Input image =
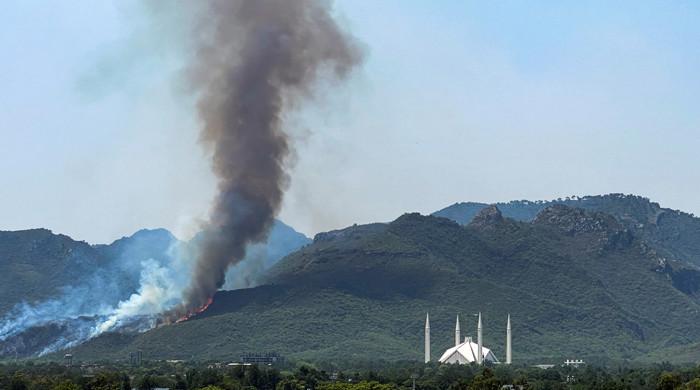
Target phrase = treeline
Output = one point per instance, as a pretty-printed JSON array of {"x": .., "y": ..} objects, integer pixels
[{"x": 398, "y": 376}]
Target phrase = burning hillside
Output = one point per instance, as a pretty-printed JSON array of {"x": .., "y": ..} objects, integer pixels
[
  {"x": 255, "y": 61},
  {"x": 252, "y": 62}
]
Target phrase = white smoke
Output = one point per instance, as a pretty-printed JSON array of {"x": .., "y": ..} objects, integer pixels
[
  {"x": 24, "y": 315},
  {"x": 128, "y": 293},
  {"x": 86, "y": 311},
  {"x": 159, "y": 291}
]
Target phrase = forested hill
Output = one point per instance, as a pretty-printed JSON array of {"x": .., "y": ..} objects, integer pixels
[
  {"x": 51, "y": 285},
  {"x": 576, "y": 283},
  {"x": 672, "y": 233},
  {"x": 36, "y": 264}
]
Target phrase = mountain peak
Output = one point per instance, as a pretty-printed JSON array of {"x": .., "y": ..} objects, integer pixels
[
  {"x": 574, "y": 220},
  {"x": 160, "y": 233},
  {"x": 488, "y": 216},
  {"x": 145, "y": 238}
]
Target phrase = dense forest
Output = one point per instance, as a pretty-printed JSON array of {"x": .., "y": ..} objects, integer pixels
[
  {"x": 569, "y": 272},
  {"x": 187, "y": 376},
  {"x": 576, "y": 283}
]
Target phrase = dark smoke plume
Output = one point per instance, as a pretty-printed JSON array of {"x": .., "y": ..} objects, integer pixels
[{"x": 253, "y": 60}]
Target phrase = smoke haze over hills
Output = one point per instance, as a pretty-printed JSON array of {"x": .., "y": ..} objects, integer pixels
[
  {"x": 214, "y": 118},
  {"x": 57, "y": 292}
]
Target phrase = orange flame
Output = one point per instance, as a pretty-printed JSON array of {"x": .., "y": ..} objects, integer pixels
[{"x": 195, "y": 311}]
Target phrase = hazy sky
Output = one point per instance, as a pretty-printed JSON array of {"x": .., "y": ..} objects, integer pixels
[{"x": 457, "y": 101}]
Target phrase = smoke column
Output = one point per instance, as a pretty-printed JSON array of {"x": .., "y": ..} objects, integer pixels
[{"x": 253, "y": 61}]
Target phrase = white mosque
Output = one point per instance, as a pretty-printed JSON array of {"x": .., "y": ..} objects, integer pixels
[{"x": 467, "y": 351}]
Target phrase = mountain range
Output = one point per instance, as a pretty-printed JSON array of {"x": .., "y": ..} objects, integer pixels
[
  {"x": 612, "y": 276},
  {"x": 672, "y": 233},
  {"x": 605, "y": 280},
  {"x": 50, "y": 283}
]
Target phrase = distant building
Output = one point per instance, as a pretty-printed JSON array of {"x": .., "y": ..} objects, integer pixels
[
  {"x": 574, "y": 362},
  {"x": 544, "y": 366},
  {"x": 262, "y": 358},
  {"x": 135, "y": 358},
  {"x": 427, "y": 338},
  {"x": 68, "y": 359},
  {"x": 466, "y": 353}
]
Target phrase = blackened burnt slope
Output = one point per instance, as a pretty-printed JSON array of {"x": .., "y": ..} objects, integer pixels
[{"x": 575, "y": 283}]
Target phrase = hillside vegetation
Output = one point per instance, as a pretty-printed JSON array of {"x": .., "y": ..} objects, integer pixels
[
  {"x": 51, "y": 286},
  {"x": 577, "y": 284},
  {"x": 35, "y": 264},
  {"x": 672, "y": 233}
]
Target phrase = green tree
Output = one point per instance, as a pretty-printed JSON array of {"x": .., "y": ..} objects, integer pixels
[
  {"x": 146, "y": 383},
  {"x": 18, "y": 382},
  {"x": 668, "y": 381},
  {"x": 486, "y": 380},
  {"x": 253, "y": 377},
  {"x": 364, "y": 385},
  {"x": 460, "y": 384},
  {"x": 66, "y": 385},
  {"x": 290, "y": 384},
  {"x": 105, "y": 381},
  {"x": 180, "y": 383}
]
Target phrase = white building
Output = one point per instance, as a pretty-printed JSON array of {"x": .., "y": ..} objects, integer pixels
[
  {"x": 427, "y": 337},
  {"x": 574, "y": 362},
  {"x": 466, "y": 353}
]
